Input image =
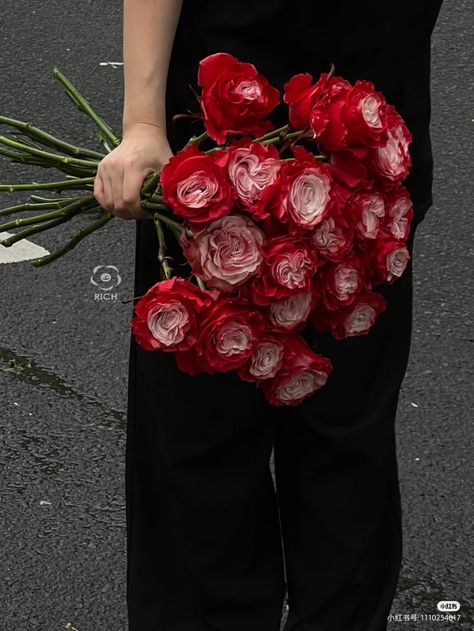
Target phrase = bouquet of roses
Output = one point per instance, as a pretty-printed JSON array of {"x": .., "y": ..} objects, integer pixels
[{"x": 281, "y": 228}]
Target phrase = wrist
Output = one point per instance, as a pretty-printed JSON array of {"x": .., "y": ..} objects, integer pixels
[{"x": 129, "y": 127}]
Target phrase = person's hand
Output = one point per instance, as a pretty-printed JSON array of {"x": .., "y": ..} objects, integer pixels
[{"x": 120, "y": 175}]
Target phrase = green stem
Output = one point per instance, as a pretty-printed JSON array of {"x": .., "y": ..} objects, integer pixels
[
  {"x": 50, "y": 203},
  {"x": 83, "y": 105},
  {"x": 167, "y": 271},
  {"x": 47, "y": 155},
  {"x": 175, "y": 225},
  {"x": 49, "y": 140},
  {"x": 196, "y": 140},
  {"x": 83, "y": 232},
  {"x": 60, "y": 185},
  {"x": 68, "y": 210},
  {"x": 33, "y": 230},
  {"x": 272, "y": 133}
]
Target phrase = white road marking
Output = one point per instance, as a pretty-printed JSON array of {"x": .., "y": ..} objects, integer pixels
[
  {"x": 114, "y": 64},
  {"x": 21, "y": 251}
]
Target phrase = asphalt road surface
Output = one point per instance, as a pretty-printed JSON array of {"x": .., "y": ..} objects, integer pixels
[{"x": 63, "y": 353}]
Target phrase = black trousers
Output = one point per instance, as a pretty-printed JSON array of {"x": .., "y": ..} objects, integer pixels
[{"x": 209, "y": 539}]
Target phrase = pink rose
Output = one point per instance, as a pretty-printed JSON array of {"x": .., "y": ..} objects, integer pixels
[
  {"x": 399, "y": 214},
  {"x": 368, "y": 210},
  {"x": 291, "y": 313},
  {"x": 391, "y": 162},
  {"x": 254, "y": 171},
  {"x": 389, "y": 258},
  {"x": 266, "y": 359},
  {"x": 305, "y": 196},
  {"x": 302, "y": 374},
  {"x": 339, "y": 283},
  {"x": 356, "y": 319},
  {"x": 226, "y": 253}
]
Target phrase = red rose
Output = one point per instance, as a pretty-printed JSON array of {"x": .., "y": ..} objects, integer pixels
[
  {"x": 305, "y": 191},
  {"x": 196, "y": 185},
  {"x": 226, "y": 253},
  {"x": 327, "y": 118},
  {"x": 351, "y": 168},
  {"x": 228, "y": 334},
  {"x": 399, "y": 214},
  {"x": 289, "y": 264},
  {"x": 266, "y": 360},
  {"x": 350, "y": 321},
  {"x": 167, "y": 316},
  {"x": 365, "y": 115},
  {"x": 367, "y": 209},
  {"x": 300, "y": 94},
  {"x": 254, "y": 170},
  {"x": 339, "y": 283},
  {"x": 340, "y": 115},
  {"x": 302, "y": 374},
  {"x": 391, "y": 162},
  {"x": 235, "y": 97},
  {"x": 389, "y": 258}
]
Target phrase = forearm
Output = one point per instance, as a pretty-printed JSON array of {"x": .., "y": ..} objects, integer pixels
[{"x": 149, "y": 28}]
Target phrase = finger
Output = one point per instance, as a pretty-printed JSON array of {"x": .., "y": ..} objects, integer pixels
[
  {"x": 99, "y": 190},
  {"x": 115, "y": 198},
  {"x": 132, "y": 184}
]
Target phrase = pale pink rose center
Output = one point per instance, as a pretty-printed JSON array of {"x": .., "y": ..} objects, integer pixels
[
  {"x": 370, "y": 111},
  {"x": 197, "y": 190},
  {"x": 308, "y": 197},
  {"x": 266, "y": 360},
  {"x": 292, "y": 269},
  {"x": 168, "y": 323},
  {"x": 290, "y": 311},
  {"x": 346, "y": 281},
  {"x": 249, "y": 90},
  {"x": 360, "y": 320},
  {"x": 327, "y": 236},
  {"x": 233, "y": 338},
  {"x": 374, "y": 209},
  {"x": 301, "y": 385},
  {"x": 398, "y": 213},
  {"x": 397, "y": 261},
  {"x": 250, "y": 176}
]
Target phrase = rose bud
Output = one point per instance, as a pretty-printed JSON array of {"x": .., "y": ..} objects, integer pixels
[
  {"x": 291, "y": 313},
  {"x": 399, "y": 214},
  {"x": 302, "y": 95},
  {"x": 305, "y": 191},
  {"x": 254, "y": 171},
  {"x": 266, "y": 360},
  {"x": 235, "y": 97},
  {"x": 389, "y": 259},
  {"x": 391, "y": 162},
  {"x": 289, "y": 264},
  {"x": 357, "y": 319},
  {"x": 168, "y": 314},
  {"x": 196, "y": 185},
  {"x": 339, "y": 283},
  {"x": 303, "y": 373},
  {"x": 226, "y": 253},
  {"x": 368, "y": 211},
  {"x": 228, "y": 334}
]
